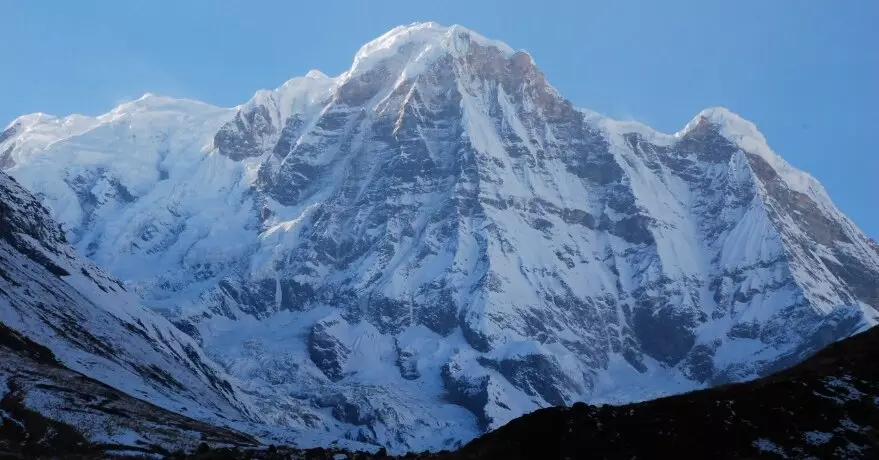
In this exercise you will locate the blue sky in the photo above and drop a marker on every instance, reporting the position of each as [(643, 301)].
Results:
[(806, 71)]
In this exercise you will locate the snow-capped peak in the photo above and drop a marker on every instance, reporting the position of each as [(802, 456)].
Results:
[(421, 43), (150, 102), (25, 121), (316, 74), (745, 135), (76, 123), (729, 123), (733, 127)]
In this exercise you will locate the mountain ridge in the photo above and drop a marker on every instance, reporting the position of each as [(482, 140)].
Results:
[(436, 241)]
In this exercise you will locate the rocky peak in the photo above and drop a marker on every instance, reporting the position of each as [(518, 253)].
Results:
[(726, 121), (408, 52)]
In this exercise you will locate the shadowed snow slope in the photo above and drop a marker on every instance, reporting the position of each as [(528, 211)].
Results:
[(91, 329), (436, 241)]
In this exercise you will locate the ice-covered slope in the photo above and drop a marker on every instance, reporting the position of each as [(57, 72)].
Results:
[(436, 241), (95, 327)]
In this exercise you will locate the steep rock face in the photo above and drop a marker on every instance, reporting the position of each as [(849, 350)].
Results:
[(438, 228), (326, 350)]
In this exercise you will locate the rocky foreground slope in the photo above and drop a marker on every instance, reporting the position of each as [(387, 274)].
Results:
[(436, 242)]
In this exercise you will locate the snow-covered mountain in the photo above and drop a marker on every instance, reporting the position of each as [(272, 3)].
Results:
[(90, 328), (436, 241)]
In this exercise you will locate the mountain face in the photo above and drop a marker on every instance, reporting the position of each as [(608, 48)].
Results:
[(436, 241), (77, 349), (825, 407)]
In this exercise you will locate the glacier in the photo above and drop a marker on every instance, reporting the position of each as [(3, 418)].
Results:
[(436, 242)]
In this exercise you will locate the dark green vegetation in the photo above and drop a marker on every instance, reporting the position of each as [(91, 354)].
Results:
[(825, 407)]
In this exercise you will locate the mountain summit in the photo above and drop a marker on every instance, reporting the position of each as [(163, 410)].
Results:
[(436, 241)]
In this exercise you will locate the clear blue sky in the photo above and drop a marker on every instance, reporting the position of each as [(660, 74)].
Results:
[(806, 71)]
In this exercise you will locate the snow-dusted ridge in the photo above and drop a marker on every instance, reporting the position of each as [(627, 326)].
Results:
[(435, 241)]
